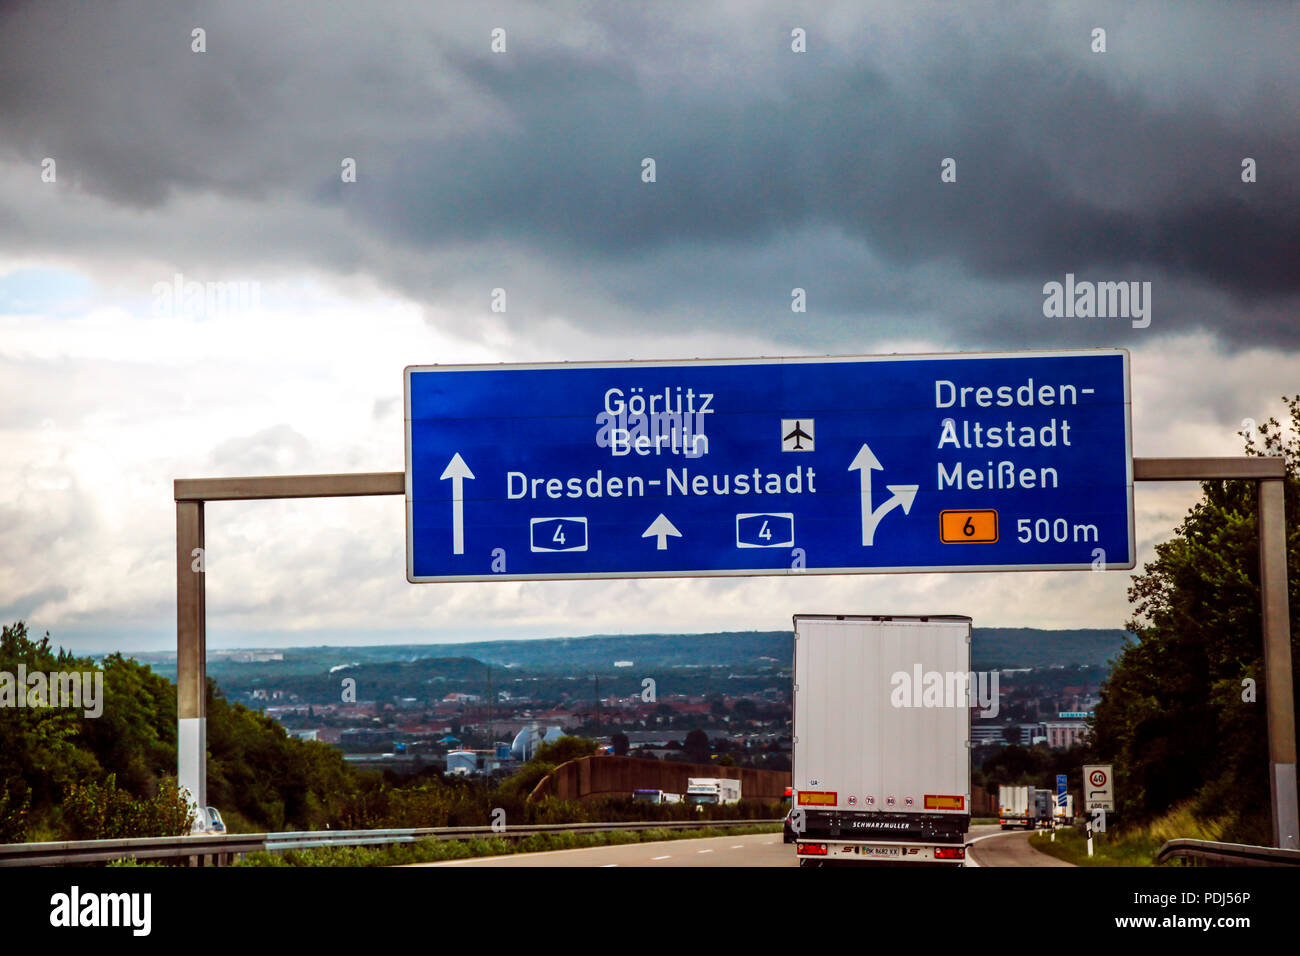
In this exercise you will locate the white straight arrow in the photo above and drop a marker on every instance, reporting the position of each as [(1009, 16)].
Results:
[(865, 462), (661, 528), (457, 471)]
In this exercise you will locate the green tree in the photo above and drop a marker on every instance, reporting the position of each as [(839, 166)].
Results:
[(94, 811), (40, 751), (697, 746), (270, 779), (565, 749), (1172, 715)]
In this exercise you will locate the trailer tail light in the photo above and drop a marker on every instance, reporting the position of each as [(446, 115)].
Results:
[(811, 849), (950, 853)]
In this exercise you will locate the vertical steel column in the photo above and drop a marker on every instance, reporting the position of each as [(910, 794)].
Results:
[(191, 656), (191, 602), (1278, 690)]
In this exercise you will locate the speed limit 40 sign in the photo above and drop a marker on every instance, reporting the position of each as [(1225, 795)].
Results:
[(1099, 788)]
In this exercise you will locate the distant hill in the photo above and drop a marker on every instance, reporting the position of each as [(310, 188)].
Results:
[(998, 647), (992, 647), (599, 652)]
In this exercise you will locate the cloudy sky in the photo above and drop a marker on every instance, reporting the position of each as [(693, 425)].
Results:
[(128, 158)]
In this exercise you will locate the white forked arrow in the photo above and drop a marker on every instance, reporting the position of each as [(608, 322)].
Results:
[(661, 528), (865, 463), (457, 471)]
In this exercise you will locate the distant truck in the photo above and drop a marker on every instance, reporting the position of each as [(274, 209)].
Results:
[(881, 774), (1044, 807), (655, 796), (712, 790), (1016, 807)]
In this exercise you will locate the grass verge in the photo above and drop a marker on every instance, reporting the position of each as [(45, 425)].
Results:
[(1109, 849), (1136, 846), (434, 851)]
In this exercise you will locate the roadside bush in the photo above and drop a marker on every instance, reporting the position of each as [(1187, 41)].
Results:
[(93, 811)]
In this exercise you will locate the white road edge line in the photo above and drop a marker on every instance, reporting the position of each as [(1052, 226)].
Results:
[(970, 856), (653, 858)]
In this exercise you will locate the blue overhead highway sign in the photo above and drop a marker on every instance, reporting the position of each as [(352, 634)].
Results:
[(964, 462)]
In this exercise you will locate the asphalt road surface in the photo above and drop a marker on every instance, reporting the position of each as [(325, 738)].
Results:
[(755, 849), (1008, 848), (993, 848)]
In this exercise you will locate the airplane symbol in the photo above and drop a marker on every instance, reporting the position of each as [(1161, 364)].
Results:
[(796, 432)]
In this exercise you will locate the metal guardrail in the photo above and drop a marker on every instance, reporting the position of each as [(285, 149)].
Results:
[(223, 847), (1209, 853)]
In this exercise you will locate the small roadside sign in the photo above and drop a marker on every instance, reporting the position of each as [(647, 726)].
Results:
[(1099, 788)]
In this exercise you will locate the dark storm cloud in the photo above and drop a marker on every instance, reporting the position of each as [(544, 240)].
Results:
[(774, 169)]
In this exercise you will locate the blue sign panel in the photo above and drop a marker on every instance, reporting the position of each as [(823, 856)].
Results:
[(1061, 789), (968, 462)]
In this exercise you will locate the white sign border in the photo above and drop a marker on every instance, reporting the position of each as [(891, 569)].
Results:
[(773, 360)]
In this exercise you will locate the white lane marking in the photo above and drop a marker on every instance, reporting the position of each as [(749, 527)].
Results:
[(605, 866), (970, 856), (703, 851), (653, 858), (739, 846)]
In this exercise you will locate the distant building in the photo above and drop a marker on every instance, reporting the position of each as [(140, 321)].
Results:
[(462, 763), (456, 697), (987, 734), (530, 738), (1065, 733)]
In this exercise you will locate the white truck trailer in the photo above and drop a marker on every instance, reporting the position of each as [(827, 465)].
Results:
[(656, 796), (1016, 807), (712, 790), (881, 739)]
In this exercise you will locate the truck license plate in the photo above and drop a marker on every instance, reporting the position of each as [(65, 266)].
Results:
[(879, 851)]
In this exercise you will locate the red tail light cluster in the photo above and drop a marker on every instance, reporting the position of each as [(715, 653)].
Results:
[(950, 853), (811, 849)]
